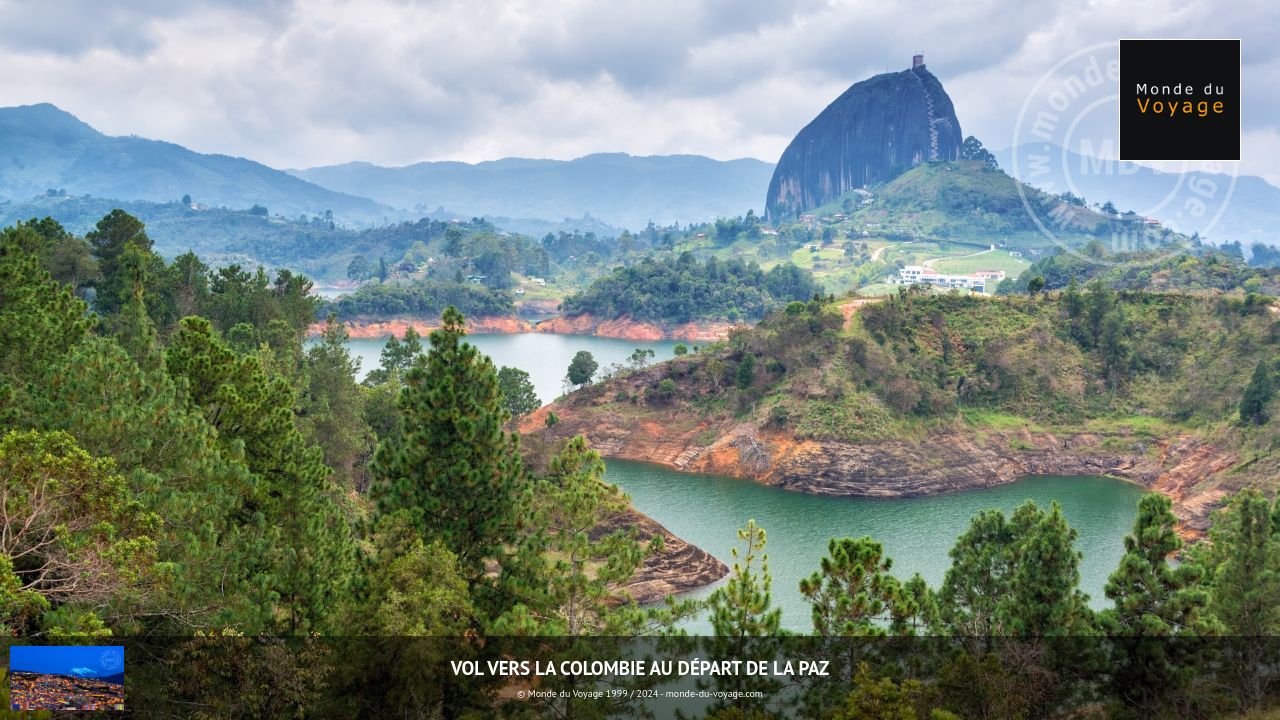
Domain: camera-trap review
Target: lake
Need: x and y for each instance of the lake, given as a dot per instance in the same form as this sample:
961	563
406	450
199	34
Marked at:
917	533
707	510
544	356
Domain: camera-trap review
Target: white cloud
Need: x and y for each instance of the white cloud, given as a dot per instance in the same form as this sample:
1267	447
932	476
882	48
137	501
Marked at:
311	82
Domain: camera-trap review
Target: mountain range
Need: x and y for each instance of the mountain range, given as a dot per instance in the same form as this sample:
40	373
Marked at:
620	189
44	148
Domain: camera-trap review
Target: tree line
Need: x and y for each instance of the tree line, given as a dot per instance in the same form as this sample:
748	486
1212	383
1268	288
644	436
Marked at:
681	289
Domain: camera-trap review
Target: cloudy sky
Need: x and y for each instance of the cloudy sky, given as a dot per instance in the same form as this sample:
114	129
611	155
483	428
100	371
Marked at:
298	83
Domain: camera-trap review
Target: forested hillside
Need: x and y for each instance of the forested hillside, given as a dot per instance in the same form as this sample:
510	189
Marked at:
682	289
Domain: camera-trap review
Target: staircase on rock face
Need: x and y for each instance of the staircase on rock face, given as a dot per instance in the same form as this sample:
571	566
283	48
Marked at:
933	121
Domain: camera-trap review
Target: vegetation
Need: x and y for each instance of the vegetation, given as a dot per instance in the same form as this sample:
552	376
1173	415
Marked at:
518	395
421	298
582	368
683	289
1193	267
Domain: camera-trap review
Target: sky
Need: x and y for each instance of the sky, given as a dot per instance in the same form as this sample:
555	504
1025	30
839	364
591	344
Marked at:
81	661
301	83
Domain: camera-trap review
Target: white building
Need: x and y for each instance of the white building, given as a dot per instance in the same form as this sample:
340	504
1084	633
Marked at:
981	281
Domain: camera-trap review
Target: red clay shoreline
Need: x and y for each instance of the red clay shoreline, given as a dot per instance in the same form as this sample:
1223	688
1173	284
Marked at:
622	328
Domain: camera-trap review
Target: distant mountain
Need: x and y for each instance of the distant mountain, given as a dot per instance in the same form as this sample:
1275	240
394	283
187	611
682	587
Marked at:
1252	214
619	189
876	130
43	147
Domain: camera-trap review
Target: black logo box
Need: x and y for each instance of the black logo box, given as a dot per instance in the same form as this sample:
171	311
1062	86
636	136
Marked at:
1180	66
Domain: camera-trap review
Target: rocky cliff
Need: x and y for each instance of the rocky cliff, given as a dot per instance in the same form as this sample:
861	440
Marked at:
873	132
1189	470
679	567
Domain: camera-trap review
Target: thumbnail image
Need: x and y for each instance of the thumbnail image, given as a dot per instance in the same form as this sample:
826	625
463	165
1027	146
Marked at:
66	677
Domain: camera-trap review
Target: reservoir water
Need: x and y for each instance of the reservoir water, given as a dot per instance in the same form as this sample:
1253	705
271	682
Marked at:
544	356
707	510
917	533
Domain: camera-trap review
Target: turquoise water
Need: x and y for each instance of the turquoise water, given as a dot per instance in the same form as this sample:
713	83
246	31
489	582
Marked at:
544	356
916	532
708	510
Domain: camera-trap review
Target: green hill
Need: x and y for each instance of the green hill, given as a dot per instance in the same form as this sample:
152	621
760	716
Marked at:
973	203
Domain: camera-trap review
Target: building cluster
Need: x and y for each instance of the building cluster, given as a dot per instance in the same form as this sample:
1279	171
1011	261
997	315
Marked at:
41	691
981	281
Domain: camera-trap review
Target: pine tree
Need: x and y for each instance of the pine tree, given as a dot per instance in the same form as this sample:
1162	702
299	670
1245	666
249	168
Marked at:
744	620
854	594
982	564
40	321
583	568
1043	598
332	409
1246	575
452	467
211	543
311	565
1153	602
1153	599
743	607
1257	395
109	240
1242	566
133	326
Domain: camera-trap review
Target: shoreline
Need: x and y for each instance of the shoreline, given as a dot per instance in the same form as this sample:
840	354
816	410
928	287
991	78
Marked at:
697	332
1189	470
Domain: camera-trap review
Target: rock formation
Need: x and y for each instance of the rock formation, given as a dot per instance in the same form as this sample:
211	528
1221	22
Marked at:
878	129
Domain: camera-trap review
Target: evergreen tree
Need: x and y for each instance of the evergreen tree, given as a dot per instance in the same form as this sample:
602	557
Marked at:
311	565
854	594
40	320
582	568
398	355
744	622
1244	561
133	326
1257	395
518	395
1043	598
982	564
452	467
332	409
1153	603
1153	599
109	240
743	606
1242	566
211	542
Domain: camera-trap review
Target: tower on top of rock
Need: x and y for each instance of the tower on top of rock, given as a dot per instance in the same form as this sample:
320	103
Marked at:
917	61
